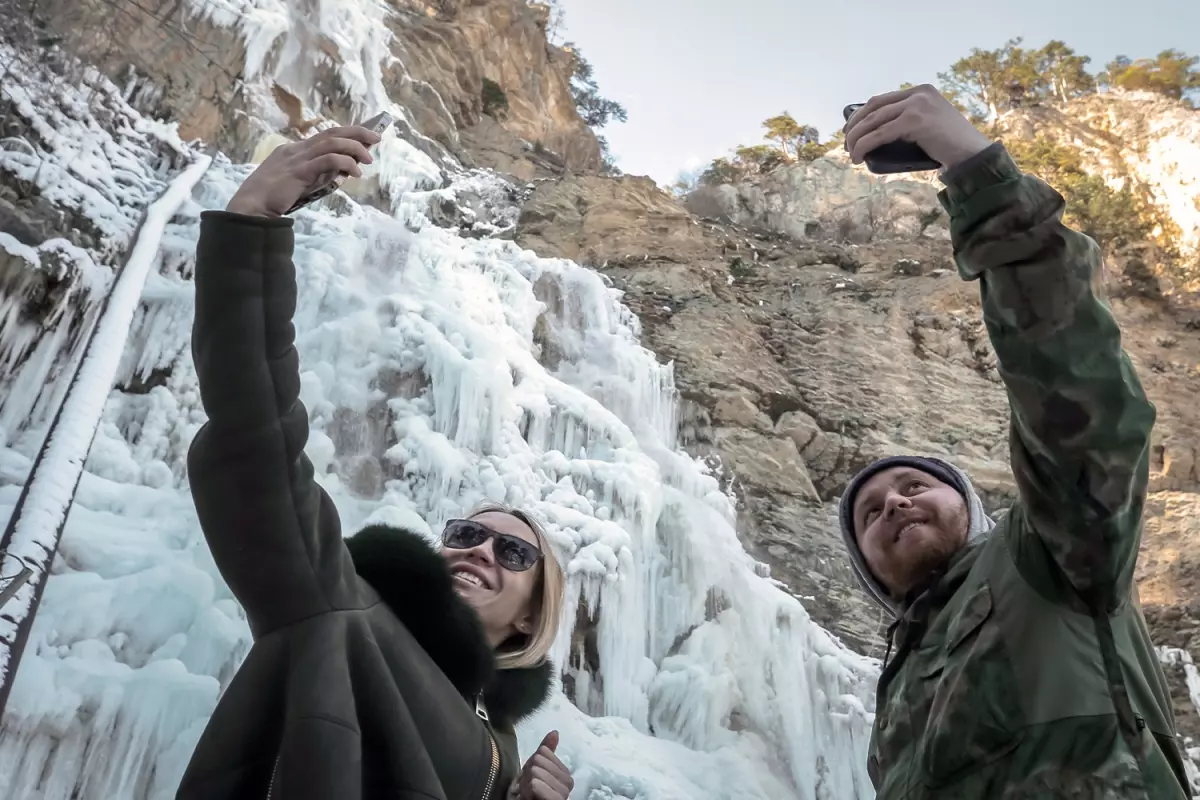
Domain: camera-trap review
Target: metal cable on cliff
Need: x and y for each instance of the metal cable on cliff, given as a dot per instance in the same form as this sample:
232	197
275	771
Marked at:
31	537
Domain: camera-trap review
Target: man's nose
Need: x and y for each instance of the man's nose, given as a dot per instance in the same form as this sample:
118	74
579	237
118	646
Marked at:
896	502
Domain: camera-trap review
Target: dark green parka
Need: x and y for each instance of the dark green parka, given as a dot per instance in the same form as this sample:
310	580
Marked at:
1025	671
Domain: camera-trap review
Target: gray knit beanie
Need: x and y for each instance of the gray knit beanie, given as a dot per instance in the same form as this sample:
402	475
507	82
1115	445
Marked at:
979	522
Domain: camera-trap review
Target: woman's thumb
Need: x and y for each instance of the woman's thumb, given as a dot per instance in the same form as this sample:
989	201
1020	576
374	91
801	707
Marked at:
551	741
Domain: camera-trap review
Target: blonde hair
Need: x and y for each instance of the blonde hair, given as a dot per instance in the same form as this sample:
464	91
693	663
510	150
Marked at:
547	600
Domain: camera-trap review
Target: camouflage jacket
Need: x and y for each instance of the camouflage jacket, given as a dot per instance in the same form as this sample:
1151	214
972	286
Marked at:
1025	670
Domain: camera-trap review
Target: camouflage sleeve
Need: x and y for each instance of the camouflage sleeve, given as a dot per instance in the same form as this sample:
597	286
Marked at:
1081	423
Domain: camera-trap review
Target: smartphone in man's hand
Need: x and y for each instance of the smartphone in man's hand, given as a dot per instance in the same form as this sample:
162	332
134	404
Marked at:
894	157
329	183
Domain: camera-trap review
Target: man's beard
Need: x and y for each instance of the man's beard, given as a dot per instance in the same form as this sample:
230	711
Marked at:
925	563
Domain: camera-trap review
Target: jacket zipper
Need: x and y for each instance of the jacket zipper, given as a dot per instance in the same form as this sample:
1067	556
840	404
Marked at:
494	770
274	771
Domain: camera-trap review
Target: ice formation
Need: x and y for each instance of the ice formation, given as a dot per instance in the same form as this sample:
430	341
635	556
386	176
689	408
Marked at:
1182	659
37	522
438	370
100	177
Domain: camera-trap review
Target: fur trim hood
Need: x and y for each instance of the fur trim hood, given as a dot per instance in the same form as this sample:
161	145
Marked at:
414	581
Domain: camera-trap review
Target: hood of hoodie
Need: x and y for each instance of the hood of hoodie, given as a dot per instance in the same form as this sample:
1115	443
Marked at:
980	524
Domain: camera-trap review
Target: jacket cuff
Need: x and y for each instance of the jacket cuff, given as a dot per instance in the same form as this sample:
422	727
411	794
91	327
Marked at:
242	241
248	219
989	167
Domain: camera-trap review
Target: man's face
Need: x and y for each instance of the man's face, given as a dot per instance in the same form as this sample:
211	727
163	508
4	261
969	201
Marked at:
908	524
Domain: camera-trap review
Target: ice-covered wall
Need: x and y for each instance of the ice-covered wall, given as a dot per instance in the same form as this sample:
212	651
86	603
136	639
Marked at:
88	180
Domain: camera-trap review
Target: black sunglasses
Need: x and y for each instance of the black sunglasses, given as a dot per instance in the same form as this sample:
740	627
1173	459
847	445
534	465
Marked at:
512	552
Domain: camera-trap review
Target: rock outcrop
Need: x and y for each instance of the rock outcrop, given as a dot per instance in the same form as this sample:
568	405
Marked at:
801	361
1140	135
231	78
1143	140
450	51
594	219
829	199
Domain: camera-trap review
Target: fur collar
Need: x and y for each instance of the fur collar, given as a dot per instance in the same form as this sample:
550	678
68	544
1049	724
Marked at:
414	581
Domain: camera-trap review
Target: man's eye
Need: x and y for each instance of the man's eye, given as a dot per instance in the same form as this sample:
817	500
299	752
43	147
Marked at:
916	485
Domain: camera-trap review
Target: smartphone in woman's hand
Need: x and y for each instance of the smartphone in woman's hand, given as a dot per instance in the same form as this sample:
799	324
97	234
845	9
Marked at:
329	183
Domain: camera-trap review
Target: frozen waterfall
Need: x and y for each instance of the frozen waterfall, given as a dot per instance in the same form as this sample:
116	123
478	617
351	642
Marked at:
437	371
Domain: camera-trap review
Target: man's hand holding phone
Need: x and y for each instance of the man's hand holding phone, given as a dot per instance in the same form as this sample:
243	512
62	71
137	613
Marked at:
920	115
293	170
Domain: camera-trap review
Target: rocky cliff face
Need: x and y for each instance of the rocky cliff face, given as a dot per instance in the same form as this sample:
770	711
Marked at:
1139	135
1147	140
828	198
234	72
801	360
450	51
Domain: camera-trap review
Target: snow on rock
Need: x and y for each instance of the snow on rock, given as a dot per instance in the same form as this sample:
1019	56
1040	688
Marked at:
290	40
49	297
83	149
297	45
80	163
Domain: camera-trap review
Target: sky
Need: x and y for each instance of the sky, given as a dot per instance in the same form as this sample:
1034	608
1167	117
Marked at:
699	76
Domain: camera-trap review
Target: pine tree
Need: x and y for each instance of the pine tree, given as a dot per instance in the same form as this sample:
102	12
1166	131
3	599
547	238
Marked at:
987	82
758	158
595	110
789	135
1064	72
721	170
975	81
555	19
1177	73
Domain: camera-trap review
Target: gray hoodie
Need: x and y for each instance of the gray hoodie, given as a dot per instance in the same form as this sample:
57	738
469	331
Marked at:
979	526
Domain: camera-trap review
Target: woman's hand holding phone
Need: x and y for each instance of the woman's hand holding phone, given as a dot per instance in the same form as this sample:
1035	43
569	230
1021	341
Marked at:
293	169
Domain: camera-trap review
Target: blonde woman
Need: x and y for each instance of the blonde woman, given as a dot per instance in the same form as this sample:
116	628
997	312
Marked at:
381	667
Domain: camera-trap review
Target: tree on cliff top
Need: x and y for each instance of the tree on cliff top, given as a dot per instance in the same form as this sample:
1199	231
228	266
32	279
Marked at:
986	83
595	110
1063	72
789	141
790	136
1172	74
